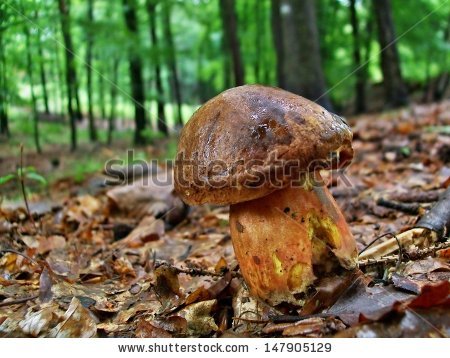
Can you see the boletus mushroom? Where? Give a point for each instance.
(260, 150)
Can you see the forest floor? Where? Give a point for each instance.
(132, 261)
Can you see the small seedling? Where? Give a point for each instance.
(21, 175)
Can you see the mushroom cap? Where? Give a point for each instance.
(251, 140)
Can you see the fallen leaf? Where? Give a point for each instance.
(77, 322)
(361, 302)
(45, 286)
(145, 329)
(199, 319)
(149, 229)
(38, 322)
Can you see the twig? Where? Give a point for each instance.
(438, 218)
(17, 301)
(21, 254)
(408, 208)
(407, 256)
(249, 320)
(22, 185)
(418, 197)
(194, 271)
(289, 318)
(391, 245)
(400, 251)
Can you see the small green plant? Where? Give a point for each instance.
(23, 173)
(27, 173)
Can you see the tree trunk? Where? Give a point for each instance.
(78, 112)
(360, 85)
(162, 125)
(395, 89)
(89, 45)
(175, 82)
(229, 23)
(202, 54)
(42, 73)
(43, 77)
(58, 77)
(259, 36)
(135, 64)
(113, 93)
(277, 36)
(302, 69)
(33, 96)
(101, 95)
(71, 76)
(4, 128)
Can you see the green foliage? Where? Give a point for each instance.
(26, 173)
(7, 178)
(197, 30)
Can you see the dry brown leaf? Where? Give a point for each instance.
(39, 322)
(82, 208)
(145, 329)
(45, 286)
(77, 322)
(149, 229)
(199, 318)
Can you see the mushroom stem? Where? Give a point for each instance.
(286, 240)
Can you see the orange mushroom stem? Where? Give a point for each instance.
(285, 240)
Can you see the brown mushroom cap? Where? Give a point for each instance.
(258, 126)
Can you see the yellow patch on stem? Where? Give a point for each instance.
(323, 229)
(277, 264)
(299, 275)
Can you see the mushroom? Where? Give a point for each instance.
(260, 150)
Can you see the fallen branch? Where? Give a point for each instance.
(418, 197)
(438, 218)
(194, 271)
(407, 256)
(434, 225)
(293, 319)
(408, 208)
(18, 301)
(390, 245)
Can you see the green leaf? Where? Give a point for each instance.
(36, 177)
(6, 178)
(28, 169)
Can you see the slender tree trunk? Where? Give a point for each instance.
(89, 46)
(368, 44)
(302, 69)
(71, 76)
(33, 96)
(360, 85)
(395, 89)
(113, 93)
(277, 35)
(135, 65)
(4, 128)
(42, 73)
(162, 124)
(59, 79)
(227, 74)
(78, 112)
(175, 82)
(43, 76)
(259, 36)
(101, 95)
(203, 53)
(229, 24)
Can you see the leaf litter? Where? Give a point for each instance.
(134, 261)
